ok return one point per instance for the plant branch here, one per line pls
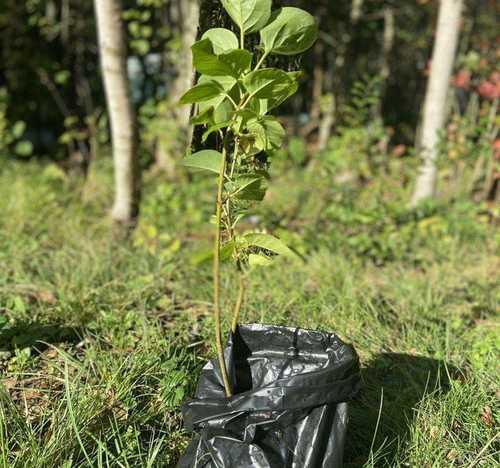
(239, 302)
(235, 157)
(260, 62)
(242, 38)
(216, 276)
(231, 100)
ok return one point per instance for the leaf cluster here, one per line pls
(234, 96)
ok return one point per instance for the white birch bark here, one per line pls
(190, 16)
(356, 10)
(388, 43)
(168, 151)
(113, 52)
(434, 115)
(327, 122)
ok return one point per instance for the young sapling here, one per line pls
(235, 96)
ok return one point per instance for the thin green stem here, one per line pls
(216, 276)
(242, 38)
(261, 61)
(232, 101)
(247, 100)
(227, 206)
(239, 302)
(235, 157)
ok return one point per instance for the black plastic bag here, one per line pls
(289, 410)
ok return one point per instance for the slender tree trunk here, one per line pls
(329, 104)
(317, 90)
(170, 150)
(326, 125)
(356, 10)
(190, 17)
(113, 51)
(443, 57)
(389, 34)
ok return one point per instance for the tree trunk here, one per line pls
(329, 104)
(113, 51)
(171, 149)
(317, 88)
(443, 56)
(326, 125)
(356, 10)
(388, 43)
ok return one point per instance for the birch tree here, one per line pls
(356, 11)
(113, 53)
(434, 115)
(171, 149)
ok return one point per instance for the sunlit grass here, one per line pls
(105, 336)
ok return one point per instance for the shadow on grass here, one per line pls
(39, 336)
(404, 380)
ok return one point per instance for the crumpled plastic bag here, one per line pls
(289, 410)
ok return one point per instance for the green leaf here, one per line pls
(208, 160)
(245, 115)
(295, 75)
(3, 321)
(62, 77)
(215, 128)
(239, 61)
(204, 256)
(259, 106)
(211, 106)
(277, 90)
(141, 46)
(255, 139)
(202, 92)
(267, 133)
(227, 82)
(249, 15)
(278, 100)
(223, 112)
(233, 63)
(256, 260)
(24, 148)
(241, 117)
(268, 242)
(206, 62)
(269, 104)
(267, 83)
(291, 31)
(203, 117)
(274, 131)
(18, 129)
(222, 40)
(248, 188)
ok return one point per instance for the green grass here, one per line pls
(104, 336)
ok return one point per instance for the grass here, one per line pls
(102, 337)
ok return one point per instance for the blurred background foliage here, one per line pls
(351, 128)
(368, 72)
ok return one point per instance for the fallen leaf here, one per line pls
(435, 432)
(9, 384)
(487, 416)
(32, 394)
(45, 296)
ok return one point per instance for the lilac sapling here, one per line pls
(235, 95)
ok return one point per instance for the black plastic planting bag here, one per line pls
(289, 410)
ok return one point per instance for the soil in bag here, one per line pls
(290, 405)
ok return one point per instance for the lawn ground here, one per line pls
(102, 337)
